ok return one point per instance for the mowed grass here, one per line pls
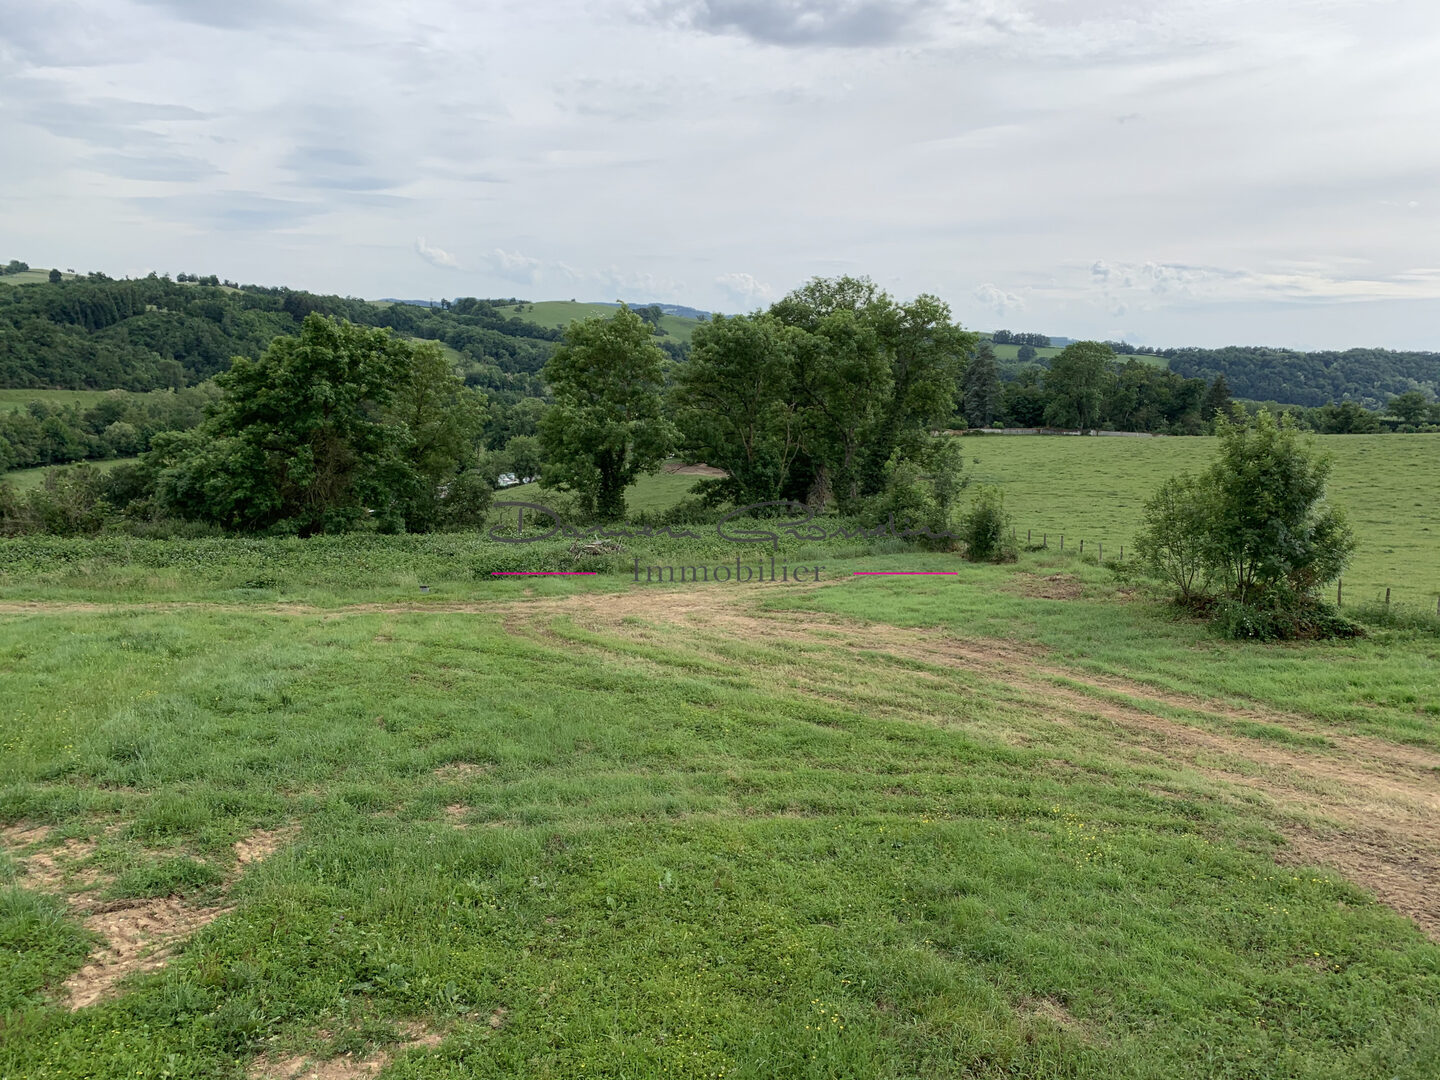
(561, 313)
(666, 851)
(1095, 489)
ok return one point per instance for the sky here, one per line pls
(1170, 172)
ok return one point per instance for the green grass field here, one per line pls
(1020, 822)
(32, 277)
(16, 400)
(1008, 352)
(649, 494)
(560, 313)
(1094, 489)
(27, 479)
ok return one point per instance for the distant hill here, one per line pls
(92, 332)
(561, 313)
(98, 333)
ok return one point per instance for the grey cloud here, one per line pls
(169, 167)
(846, 23)
(228, 15)
(230, 210)
(106, 122)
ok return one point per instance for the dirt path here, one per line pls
(1368, 808)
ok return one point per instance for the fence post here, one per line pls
(1082, 549)
(1339, 591)
(1045, 541)
(1387, 595)
(1027, 536)
(1122, 552)
(1102, 552)
(1062, 541)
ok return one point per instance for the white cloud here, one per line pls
(745, 290)
(514, 266)
(645, 150)
(435, 256)
(998, 300)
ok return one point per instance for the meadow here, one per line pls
(17, 400)
(1095, 489)
(1018, 822)
(356, 803)
(559, 314)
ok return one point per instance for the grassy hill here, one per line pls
(1008, 354)
(561, 313)
(33, 276)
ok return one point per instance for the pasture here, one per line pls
(561, 313)
(16, 400)
(28, 479)
(1095, 489)
(1019, 822)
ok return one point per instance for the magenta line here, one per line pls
(859, 572)
(497, 573)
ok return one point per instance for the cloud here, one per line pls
(435, 256)
(241, 211)
(845, 23)
(746, 290)
(514, 266)
(998, 300)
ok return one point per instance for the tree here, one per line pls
(980, 387)
(1217, 400)
(734, 403)
(1255, 522)
(1411, 407)
(1076, 384)
(1173, 544)
(986, 528)
(302, 439)
(443, 421)
(606, 426)
(871, 378)
(55, 277)
(1025, 400)
(1272, 529)
(1346, 418)
(524, 458)
(1025, 353)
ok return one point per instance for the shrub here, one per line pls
(986, 528)
(1282, 619)
(1255, 526)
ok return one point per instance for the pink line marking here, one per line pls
(857, 573)
(498, 573)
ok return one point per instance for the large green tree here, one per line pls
(1077, 383)
(734, 402)
(606, 426)
(980, 388)
(871, 376)
(325, 429)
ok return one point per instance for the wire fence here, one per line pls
(1098, 548)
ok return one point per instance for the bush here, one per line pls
(1282, 619)
(986, 528)
(1255, 526)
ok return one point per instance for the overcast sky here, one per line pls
(1197, 172)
